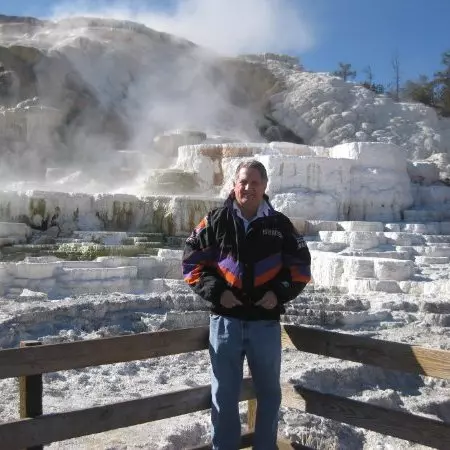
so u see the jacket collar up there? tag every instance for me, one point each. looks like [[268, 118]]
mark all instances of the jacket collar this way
[[268, 211]]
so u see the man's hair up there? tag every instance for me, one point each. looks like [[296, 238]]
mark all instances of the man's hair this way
[[252, 164]]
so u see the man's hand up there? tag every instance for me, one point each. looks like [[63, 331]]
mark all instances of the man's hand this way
[[228, 300], [269, 300]]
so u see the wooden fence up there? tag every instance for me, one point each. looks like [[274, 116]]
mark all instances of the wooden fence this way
[[35, 429]]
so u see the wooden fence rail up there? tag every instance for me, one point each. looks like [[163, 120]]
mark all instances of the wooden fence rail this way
[[400, 424], [31, 361], [375, 352], [60, 426], [16, 362]]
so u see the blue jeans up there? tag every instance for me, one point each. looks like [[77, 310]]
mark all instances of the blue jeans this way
[[230, 340]]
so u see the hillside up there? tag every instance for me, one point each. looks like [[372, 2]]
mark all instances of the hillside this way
[[73, 92]]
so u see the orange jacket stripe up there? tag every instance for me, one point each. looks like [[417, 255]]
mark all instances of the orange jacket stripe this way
[[267, 276]]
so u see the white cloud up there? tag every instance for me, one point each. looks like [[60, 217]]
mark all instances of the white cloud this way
[[227, 26]]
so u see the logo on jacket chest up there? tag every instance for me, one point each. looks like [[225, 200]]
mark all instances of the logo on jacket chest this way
[[270, 232]]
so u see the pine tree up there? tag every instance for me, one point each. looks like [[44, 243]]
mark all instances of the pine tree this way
[[421, 91], [395, 63], [369, 84], [345, 72], [369, 75], [442, 86]]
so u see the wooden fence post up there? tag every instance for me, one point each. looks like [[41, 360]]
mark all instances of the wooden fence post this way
[[30, 391], [251, 411], [251, 415]]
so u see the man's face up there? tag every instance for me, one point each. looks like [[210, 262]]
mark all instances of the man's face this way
[[249, 188]]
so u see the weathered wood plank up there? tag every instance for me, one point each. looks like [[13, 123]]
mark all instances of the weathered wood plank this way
[[57, 427], [389, 355], [251, 414], [282, 444], [376, 352], [73, 355], [410, 427], [251, 411], [30, 390], [30, 394]]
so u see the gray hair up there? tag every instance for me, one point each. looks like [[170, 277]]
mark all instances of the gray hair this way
[[252, 164]]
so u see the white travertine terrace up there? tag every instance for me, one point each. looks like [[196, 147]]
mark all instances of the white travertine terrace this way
[[13, 233], [349, 200], [350, 184], [354, 202], [354, 181], [344, 259], [169, 214]]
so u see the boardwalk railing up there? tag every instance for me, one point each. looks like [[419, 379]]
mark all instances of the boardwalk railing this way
[[35, 429]]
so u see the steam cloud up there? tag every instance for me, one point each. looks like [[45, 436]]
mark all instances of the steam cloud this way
[[226, 26], [156, 87]]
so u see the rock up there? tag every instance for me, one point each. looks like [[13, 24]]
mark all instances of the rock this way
[[362, 286], [359, 226], [387, 399], [396, 270], [9, 86], [18, 61], [354, 239], [272, 131], [166, 145], [13, 229], [52, 232], [45, 240], [32, 295], [302, 203], [423, 172], [36, 270], [172, 181], [442, 161]]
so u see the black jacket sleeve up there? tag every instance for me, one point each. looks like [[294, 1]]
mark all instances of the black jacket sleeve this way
[[295, 273], [199, 263]]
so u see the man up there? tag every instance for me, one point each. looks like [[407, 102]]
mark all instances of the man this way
[[247, 260]]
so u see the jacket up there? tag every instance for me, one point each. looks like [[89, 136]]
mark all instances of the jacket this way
[[271, 256]]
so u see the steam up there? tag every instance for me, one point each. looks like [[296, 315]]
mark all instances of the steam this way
[[226, 26], [146, 82]]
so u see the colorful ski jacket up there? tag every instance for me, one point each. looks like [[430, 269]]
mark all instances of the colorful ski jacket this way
[[270, 256]]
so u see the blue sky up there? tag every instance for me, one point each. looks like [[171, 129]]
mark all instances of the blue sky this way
[[360, 32], [366, 32]]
